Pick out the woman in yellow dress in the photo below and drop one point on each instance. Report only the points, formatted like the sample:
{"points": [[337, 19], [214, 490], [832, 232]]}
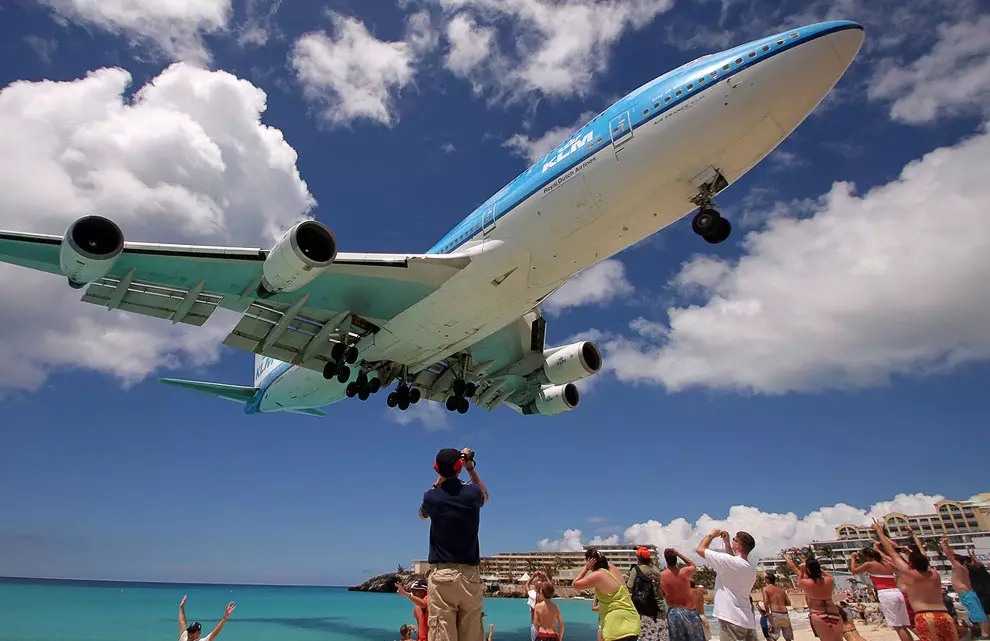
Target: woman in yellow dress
{"points": [[617, 616]]}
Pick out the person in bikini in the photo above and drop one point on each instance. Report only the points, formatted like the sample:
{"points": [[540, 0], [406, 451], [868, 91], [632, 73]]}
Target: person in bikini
{"points": [[818, 586], [849, 631], [892, 602], [683, 621], [776, 601], [618, 616], [923, 585], [547, 617]]}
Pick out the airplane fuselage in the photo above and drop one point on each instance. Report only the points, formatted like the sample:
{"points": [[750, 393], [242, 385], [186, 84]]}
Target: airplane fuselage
{"points": [[628, 173]]}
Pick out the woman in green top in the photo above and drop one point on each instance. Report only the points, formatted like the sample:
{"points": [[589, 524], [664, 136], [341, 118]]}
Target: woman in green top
{"points": [[617, 616]]}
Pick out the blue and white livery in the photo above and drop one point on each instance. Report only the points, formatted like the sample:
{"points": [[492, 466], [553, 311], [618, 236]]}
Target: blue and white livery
{"points": [[461, 323]]}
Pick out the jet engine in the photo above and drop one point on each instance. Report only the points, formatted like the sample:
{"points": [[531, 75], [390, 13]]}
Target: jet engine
{"points": [[90, 248], [554, 399], [570, 363], [300, 256]]}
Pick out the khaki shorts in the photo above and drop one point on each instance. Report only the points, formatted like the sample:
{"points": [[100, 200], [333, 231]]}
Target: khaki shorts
{"points": [[455, 598], [732, 632]]}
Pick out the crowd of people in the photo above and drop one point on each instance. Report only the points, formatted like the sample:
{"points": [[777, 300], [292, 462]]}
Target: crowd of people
{"points": [[653, 605]]}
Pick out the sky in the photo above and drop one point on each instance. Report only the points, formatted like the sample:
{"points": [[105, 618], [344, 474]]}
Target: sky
{"points": [[825, 364]]}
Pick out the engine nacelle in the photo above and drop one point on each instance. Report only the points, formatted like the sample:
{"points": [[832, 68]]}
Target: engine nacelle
{"points": [[90, 248], [299, 257], [570, 363], [555, 399]]}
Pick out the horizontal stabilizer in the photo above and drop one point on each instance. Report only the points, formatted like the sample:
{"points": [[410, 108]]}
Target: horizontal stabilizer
{"points": [[311, 411], [238, 393]]}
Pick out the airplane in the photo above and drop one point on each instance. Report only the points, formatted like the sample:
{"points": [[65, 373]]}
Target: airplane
{"points": [[462, 322]]}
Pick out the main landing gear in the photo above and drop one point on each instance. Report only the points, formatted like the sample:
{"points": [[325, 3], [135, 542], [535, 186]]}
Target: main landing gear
{"points": [[462, 392], [340, 356], [710, 225], [363, 387], [403, 396]]}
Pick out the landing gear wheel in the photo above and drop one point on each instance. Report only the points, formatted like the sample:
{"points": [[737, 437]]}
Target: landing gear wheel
{"points": [[362, 380], [721, 232], [463, 405], [364, 394], [392, 399], [458, 387], [330, 370], [337, 352], [351, 390], [351, 355], [343, 373], [452, 403], [414, 395], [469, 390], [404, 404], [374, 385], [706, 222]]}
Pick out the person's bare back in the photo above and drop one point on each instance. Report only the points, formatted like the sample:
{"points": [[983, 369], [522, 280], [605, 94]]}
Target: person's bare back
{"points": [[546, 615], [775, 599]]}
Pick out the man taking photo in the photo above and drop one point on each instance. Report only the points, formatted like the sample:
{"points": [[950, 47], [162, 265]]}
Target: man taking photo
{"points": [[454, 510]]}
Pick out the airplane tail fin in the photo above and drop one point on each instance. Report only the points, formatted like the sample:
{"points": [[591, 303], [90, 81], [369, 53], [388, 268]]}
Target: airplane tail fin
{"points": [[236, 393]]}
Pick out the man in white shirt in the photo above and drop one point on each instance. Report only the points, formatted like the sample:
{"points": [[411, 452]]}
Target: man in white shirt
{"points": [[734, 580], [193, 631]]}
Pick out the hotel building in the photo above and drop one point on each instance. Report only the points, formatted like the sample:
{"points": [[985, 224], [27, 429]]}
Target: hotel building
{"points": [[515, 567], [959, 521]]}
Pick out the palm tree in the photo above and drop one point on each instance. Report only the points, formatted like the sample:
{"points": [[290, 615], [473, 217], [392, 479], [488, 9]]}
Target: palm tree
{"points": [[829, 554]]}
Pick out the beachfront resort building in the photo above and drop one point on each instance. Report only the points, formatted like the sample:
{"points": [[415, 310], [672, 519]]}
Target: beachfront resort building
{"points": [[516, 567], [960, 521]]}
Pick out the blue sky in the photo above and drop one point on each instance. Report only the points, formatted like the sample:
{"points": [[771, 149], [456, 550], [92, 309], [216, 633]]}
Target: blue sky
{"points": [[861, 376]]}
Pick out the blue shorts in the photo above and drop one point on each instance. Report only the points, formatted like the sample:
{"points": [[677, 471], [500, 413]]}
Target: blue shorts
{"points": [[973, 607]]}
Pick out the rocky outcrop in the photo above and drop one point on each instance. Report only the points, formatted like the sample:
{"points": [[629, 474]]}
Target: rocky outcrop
{"points": [[385, 582]]}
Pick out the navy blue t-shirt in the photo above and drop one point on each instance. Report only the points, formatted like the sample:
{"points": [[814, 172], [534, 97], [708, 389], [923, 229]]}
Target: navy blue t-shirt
{"points": [[454, 509]]}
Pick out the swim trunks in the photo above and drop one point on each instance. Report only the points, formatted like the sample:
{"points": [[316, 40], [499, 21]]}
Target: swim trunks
{"points": [[974, 608], [685, 624], [894, 607], [782, 621], [935, 626]]}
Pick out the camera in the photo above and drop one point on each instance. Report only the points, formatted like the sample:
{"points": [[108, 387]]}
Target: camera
{"points": [[468, 457]]}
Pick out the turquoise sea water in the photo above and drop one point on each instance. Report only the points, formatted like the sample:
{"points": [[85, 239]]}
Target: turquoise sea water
{"points": [[42, 610]]}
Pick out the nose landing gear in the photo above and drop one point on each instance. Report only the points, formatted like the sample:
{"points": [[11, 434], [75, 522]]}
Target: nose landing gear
{"points": [[710, 225]]}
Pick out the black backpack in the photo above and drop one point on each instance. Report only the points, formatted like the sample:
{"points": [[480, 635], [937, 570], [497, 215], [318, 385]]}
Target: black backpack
{"points": [[644, 595]]}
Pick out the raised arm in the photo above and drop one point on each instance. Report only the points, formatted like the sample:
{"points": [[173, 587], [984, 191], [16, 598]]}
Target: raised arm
{"points": [[890, 550], [949, 554], [474, 476], [917, 541], [687, 562], [560, 622], [793, 566], [703, 546], [182, 615], [727, 543], [226, 615], [412, 597]]}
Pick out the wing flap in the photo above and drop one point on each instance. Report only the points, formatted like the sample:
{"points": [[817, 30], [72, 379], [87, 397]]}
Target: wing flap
{"points": [[192, 306]]}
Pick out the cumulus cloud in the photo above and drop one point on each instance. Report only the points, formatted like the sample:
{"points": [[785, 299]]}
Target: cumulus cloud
{"points": [[558, 48], [532, 149], [175, 27], [352, 75], [432, 416], [863, 288], [952, 79], [572, 542], [187, 159], [599, 284], [772, 531]]}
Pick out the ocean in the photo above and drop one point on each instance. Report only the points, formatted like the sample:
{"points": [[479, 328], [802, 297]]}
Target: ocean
{"points": [[50, 610]]}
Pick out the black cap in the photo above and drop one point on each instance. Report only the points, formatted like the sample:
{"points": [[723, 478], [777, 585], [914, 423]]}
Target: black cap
{"points": [[194, 627], [446, 458]]}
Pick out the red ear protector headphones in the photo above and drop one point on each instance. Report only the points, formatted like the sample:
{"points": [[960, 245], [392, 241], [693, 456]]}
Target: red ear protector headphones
{"points": [[457, 466]]}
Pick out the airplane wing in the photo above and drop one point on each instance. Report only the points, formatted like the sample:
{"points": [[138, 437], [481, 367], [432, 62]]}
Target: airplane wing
{"points": [[356, 293]]}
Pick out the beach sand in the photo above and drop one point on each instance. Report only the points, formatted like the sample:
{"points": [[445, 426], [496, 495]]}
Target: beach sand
{"points": [[870, 632]]}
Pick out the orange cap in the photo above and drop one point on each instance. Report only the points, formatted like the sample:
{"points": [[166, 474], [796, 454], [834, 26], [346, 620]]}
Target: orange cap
{"points": [[643, 553]]}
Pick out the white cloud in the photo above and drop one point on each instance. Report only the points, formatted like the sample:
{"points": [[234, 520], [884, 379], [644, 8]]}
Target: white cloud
{"points": [[420, 33], [865, 288], [431, 415], [559, 48], [600, 284], [952, 79], [186, 160], [772, 531], [259, 25], [572, 542], [532, 149], [176, 27], [351, 74]]}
